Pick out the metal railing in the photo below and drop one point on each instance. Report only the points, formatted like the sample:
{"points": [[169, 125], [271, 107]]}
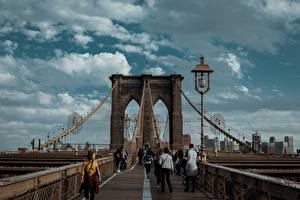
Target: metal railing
{"points": [[231, 184], [60, 183]]}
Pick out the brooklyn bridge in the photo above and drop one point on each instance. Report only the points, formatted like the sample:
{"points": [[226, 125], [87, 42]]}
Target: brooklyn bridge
{"points": [[41, 174]]}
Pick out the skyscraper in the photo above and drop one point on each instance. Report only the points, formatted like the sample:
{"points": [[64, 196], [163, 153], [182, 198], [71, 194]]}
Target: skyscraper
{"points": [[256, 141], [272, 145], [288, 145]]}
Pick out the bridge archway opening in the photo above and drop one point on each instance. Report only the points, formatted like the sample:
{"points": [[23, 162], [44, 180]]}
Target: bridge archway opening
{"points": [[131, 112], [161, 114]]}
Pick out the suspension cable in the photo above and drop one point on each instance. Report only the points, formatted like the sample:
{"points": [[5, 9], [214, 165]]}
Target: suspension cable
{"points": [[153, 117], [81, 122], [225, 133]]}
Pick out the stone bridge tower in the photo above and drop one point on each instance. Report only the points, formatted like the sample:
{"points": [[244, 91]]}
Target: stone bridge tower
{"points": [[164, 88]]}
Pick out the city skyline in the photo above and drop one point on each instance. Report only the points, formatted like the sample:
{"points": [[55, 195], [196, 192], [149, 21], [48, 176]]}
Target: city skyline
{"points": [[56, 58]]}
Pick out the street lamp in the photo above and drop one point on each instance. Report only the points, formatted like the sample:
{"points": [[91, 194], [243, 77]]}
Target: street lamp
{"points": [[127, 125], [202, 72]]}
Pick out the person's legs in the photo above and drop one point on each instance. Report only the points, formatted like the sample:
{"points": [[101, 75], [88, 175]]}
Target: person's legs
{"points": [[148, 167], [120, 165], [178, 170], [158, 177], [163, 174], [92, 191], [168, 172], [193, 183], [187, 183], [86, 192]]}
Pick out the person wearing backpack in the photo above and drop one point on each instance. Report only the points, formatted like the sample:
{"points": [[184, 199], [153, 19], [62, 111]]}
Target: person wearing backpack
{"points": [[123, 159], [167, 168], [90, 176], [148, 158]]}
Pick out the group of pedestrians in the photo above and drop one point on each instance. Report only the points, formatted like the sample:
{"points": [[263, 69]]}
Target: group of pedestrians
{"points": [[168, 162], [164, 161]]}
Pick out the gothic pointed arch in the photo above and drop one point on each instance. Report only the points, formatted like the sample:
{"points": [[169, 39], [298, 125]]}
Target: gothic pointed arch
{"points": [[131, 87]]}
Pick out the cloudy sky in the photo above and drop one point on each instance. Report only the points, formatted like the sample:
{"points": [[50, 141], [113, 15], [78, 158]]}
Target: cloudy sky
{"points": [[56, 57]]}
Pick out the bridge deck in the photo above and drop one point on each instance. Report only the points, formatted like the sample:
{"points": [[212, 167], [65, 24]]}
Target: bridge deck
{"points": [[133, 185]]}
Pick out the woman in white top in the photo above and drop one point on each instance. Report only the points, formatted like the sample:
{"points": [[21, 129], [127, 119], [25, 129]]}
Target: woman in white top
{"points": [[167, 167], [191, 168]]}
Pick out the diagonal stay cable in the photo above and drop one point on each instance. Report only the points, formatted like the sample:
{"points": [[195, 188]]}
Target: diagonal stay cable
{"points": [[152, 112], [81, 122], [215, 125]]}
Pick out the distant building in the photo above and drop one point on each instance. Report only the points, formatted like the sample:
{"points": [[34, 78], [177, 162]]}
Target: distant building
{"points": [[265, 147], [186, 140], [243, 149], [256, 142], [209, 143], [288, 145], [272, 142], [279, 147], [227, 146]]}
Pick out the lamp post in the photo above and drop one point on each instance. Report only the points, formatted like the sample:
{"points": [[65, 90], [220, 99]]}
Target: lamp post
{"points": [[202, 81], [127, 125]]}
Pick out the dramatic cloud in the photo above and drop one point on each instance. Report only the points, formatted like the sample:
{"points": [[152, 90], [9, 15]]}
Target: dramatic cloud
{"points": [[155, 71], [46, 20], [92, 66], [233, 62], [6, 78], [56, 58], [193, 26], [9, 46], [83, 39]]}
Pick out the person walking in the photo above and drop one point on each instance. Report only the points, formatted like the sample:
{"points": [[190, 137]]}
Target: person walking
{"points": [[191, 168], [179, 162], [140, 155], [117, 157], [123, 159], [157, 167], [148, 159], [167, 167], [90, 176]]}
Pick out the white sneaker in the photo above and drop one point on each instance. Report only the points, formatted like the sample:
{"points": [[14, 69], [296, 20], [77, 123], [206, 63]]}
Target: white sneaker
{"points": [[118, 171]]}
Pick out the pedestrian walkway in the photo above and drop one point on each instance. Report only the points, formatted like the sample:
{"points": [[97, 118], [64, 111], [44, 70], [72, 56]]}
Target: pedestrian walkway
{"points": [[134, 185]]}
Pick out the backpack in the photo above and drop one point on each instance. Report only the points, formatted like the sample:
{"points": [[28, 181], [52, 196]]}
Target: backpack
{"points": [[148, 157]]}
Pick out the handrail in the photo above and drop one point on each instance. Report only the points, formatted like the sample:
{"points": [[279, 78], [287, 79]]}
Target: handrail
{"points": [[15, 186], [211, 173]]}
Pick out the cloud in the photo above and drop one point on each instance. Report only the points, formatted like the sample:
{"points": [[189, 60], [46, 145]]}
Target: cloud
{"points": [[6, 78], [83, 40], [130, 48], [233, 62], [139, 50], [266, 121], [228, 95], [65, 98], [192, 25], [155, 71], [244, 89], [9, 46], [46, 20], [90, 66], [44, 99]]}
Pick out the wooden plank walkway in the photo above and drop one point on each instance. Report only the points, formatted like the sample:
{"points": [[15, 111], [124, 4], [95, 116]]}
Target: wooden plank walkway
{"points": [[129, 185]]}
